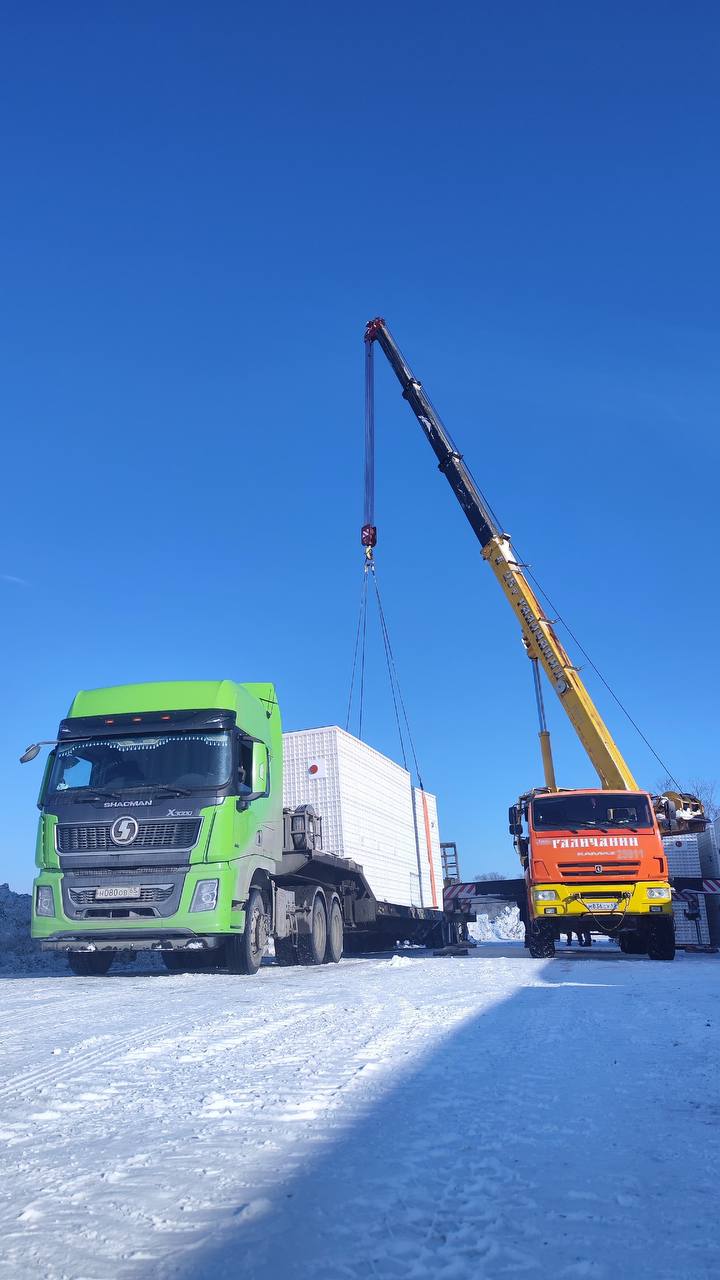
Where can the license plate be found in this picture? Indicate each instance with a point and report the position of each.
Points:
(117, 891)
(605, 905)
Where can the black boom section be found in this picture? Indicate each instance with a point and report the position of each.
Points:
(450, 461)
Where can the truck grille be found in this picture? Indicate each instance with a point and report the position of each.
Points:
(94, 837)
(148, 893)
(588, 870)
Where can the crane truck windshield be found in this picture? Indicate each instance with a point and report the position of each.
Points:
(182, 761)
(604, 810)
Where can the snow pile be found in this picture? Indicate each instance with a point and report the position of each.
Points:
(18, 951)
(505, 927)
(397, 962)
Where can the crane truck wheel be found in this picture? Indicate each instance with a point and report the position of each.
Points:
(661, 940)
(335, 932)
(541, 943)
(90, 964)
(244, 951)
(633, 944)
(312, 945)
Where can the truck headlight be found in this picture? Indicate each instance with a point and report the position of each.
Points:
(44, 900)
(544, 895)
(205, 896)
(660, 892)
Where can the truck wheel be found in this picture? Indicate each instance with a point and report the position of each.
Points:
(90, 964)
(541, 943)
(285, 953)
(334, 948)
(661, 940)
(244, 951)
(312, 945)
(633, 944)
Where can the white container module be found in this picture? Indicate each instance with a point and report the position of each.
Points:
(683, 855)
(366, 802)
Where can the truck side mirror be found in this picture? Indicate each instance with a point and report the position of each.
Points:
(259, 775)
(514, 820)
(31, 753)
(260, 770)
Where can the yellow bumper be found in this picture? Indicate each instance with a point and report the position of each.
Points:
(612, 900)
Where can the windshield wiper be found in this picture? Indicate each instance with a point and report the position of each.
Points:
(88, 797)
(160, 788)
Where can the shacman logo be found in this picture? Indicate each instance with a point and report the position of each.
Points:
(124, 830)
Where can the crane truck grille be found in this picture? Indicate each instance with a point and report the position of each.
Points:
(577, 871)
(153, 834)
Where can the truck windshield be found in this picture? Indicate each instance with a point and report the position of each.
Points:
(605, 809)
(188, 761)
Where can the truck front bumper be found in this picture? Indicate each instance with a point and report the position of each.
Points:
(117, 924)
(125, 940)
(613, 905)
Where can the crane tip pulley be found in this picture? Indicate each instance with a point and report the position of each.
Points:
(372, 328)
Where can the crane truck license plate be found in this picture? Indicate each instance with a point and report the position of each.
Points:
(606, 904)
(110, 892)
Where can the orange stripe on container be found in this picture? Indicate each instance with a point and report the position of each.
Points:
(428, 841)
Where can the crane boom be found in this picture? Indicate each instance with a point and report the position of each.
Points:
(539, 637)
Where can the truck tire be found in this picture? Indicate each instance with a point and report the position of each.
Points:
(244, 951)
(90, 964)
(541, 943)
(285, 953)
(633, 944)
(661, 940)
(335, 932)
(312, 945)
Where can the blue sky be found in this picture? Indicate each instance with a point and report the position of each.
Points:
(202, 205)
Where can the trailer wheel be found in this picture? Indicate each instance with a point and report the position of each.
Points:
(541, 943)
(90, 964)
(244, 951)
(312, 945)
(335, 932)
(285, 953)
(661, 940)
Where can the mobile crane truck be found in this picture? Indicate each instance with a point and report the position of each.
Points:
(162, 828)
(592, 859)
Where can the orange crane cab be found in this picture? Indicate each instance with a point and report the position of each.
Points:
(594, 860)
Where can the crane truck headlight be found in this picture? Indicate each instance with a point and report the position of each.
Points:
(544, 895)
(660, 892)
(44, 900)
(205, 896)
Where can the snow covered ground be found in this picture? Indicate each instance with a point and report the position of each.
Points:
(406, 1118)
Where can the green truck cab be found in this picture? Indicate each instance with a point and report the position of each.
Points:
(161, 823)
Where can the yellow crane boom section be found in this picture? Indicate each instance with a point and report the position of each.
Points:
(543, 644)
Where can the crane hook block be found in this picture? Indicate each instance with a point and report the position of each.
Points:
(368, 535)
